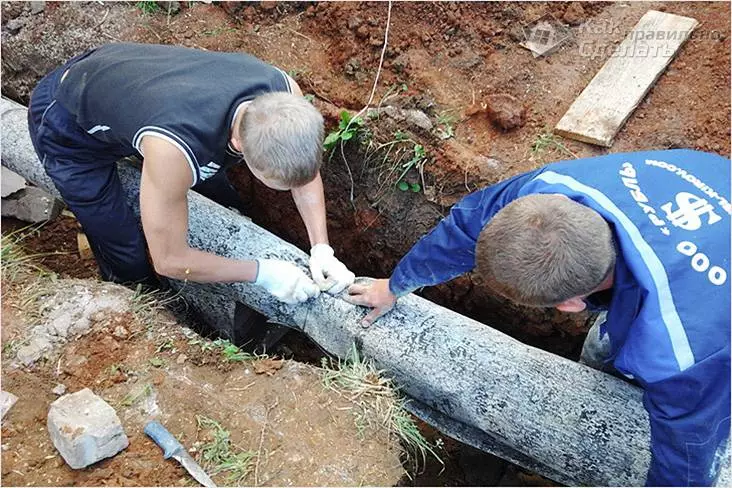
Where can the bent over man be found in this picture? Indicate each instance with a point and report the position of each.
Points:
(190, 114)
(644, 236)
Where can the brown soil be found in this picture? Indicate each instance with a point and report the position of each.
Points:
(303, 433)
(55, 244)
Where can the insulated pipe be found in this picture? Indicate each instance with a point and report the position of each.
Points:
(553, 416)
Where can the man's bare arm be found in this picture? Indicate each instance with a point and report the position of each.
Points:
(310, 202)
(166, 178)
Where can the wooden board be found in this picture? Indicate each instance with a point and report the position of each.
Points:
(616, 90)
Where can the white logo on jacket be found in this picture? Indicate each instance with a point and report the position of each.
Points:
(691, 209)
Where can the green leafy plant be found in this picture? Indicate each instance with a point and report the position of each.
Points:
(419, 157)
(348, 127)
(148, 7)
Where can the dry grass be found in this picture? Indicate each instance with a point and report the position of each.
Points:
(377, 401)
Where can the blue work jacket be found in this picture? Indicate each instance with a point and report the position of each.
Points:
(669, 316)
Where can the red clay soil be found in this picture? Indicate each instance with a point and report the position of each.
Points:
(445, 59)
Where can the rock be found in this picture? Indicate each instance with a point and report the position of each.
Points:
(362, 32)
(352, 67)
(11, 181)
(85, 429)
(414, 118)
(14, 26)
(505, 111)
(575, 14)
(181, 359)
(59, 389)
(31, 205)
(376, 41)
(516, 33)
(120, 332)
(37, 6)
(354, 23)
(7, 400)
(419, 119)
(38, 345)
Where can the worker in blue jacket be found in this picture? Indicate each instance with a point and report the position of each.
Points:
(644, 236)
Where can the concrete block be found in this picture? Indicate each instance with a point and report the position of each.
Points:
(85, 429)
(31, 205)
(7, 400)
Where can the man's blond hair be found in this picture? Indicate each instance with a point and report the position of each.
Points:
(282, 137)
(541, 250)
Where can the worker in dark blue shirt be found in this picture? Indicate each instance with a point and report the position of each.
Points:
(645, 236)
(190, 114)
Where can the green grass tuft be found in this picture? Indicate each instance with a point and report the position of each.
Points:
(220, 455)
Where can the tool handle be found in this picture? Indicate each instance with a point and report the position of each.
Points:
(163, 438)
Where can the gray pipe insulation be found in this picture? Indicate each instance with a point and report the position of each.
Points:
(553, 416)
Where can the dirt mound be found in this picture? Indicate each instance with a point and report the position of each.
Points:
(121, 345)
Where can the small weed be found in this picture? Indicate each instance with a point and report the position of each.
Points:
(378, 401)
(295, 72)
(157, 362)
(165, 346)
(348, 127)
(148, 7)
(232, 353)
(309, 97)
(229, 351)
(132, 398)
(10, 348)
(446, 125)
(219, 455)
(418, 159)
(548, 140)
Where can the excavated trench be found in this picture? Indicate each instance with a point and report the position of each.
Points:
(371, 237)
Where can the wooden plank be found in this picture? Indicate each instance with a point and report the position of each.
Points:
(616, 90)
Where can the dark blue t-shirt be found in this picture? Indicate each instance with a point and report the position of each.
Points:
(120, 93)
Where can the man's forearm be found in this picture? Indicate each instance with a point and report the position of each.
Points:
(204, 267)
(310, 202)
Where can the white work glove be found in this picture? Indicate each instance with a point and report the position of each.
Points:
(285, 281)
(328, 273)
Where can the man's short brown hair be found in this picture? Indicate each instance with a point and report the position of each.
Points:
(282, 137)
(541, 250)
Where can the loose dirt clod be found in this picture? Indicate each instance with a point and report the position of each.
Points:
(505, 111)
(575, 14)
